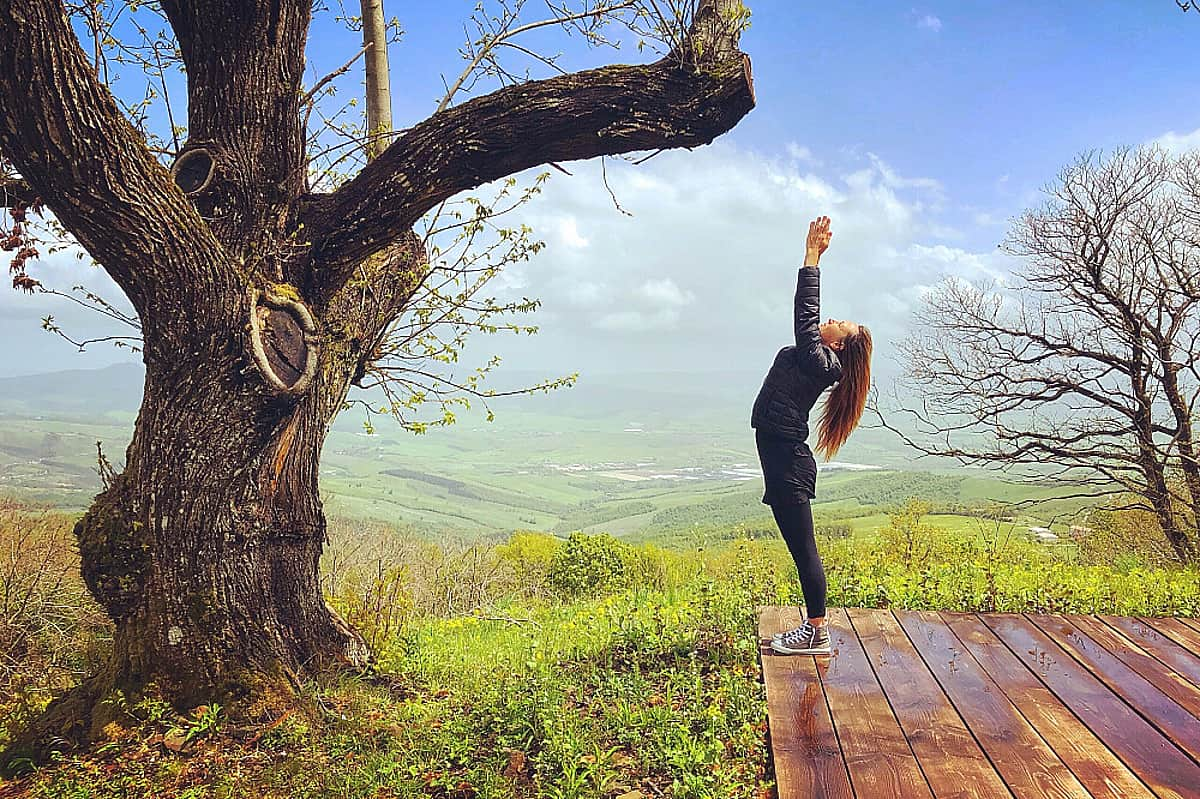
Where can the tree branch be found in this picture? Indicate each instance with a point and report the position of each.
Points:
(245, 69)
(607, 111)
(15, 191)
(506, 34)
(65, 135)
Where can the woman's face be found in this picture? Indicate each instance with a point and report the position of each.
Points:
(835, 332)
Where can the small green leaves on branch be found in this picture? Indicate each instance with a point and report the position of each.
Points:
(415, 366)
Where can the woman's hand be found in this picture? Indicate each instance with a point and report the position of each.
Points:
(819, 235)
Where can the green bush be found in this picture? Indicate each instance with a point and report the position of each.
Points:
(527, 556)
(589, 565)
(1130, 538)
(659, 569)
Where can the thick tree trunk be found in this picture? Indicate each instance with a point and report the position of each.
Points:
(1157, 490)
(1184, 436)
(205, 549)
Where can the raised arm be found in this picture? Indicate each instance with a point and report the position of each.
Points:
(813, 355)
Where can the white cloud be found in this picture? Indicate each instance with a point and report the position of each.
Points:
(930, 23)
(799, 152)
(1179, 143)
(956, 262)
(585, 293)
(894, 180)
(664, 292)
(568, 233)
(639, 321)
(702, 275)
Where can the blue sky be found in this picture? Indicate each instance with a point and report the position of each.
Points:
(989, 99)
(921, 129)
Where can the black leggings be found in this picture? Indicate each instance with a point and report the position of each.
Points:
(796, 523)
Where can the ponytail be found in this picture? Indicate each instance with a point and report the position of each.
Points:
(844, 407)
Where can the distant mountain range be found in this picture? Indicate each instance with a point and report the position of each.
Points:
(701, 403)
(118, 388)
(74, 392)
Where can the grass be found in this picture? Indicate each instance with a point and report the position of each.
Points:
(638, 694)
(591, 668)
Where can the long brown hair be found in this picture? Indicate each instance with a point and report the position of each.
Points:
(844, 406)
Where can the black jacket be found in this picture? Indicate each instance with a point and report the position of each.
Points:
(800, 373)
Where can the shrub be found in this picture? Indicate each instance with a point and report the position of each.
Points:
(835, 530)
(587, 565)
(51, 632)
(1129, 538)
(908, 537)
(527, 557)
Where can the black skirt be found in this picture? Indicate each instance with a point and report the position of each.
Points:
(789, 470)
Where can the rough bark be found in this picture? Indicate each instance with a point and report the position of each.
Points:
(204, 550)
(1185, 438)
(63, 132)
(1157, 491)
(245, 64)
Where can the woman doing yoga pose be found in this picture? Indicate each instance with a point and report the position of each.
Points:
(836, 353)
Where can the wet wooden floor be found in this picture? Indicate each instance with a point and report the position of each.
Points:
(928, 704)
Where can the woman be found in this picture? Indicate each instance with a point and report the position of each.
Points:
(836, 353)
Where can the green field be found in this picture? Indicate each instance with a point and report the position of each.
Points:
(557, 464)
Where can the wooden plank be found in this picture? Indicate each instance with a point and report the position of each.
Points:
(878, 757)
(1194, 623)
(1100, 771)
(953, 763)
(1181, 691)
(1028, 765)
(1165, 713)
(1183, 635)
(808, 759)
(769, 622)
(1151, 756)
(1167, 651)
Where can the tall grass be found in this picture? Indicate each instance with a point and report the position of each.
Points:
(532, 665)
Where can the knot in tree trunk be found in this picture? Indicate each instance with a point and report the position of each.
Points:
(114, 550)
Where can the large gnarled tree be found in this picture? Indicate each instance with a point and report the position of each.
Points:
(249, 290)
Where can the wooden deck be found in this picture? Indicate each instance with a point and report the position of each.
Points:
(927, 704)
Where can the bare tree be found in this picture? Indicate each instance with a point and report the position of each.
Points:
(1085, 364)
(260, 300)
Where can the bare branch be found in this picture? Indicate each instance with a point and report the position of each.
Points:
(1081, 364)
(506, 34)
(307, 100)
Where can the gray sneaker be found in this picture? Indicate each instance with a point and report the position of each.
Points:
(777, 636)
(804, 640)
